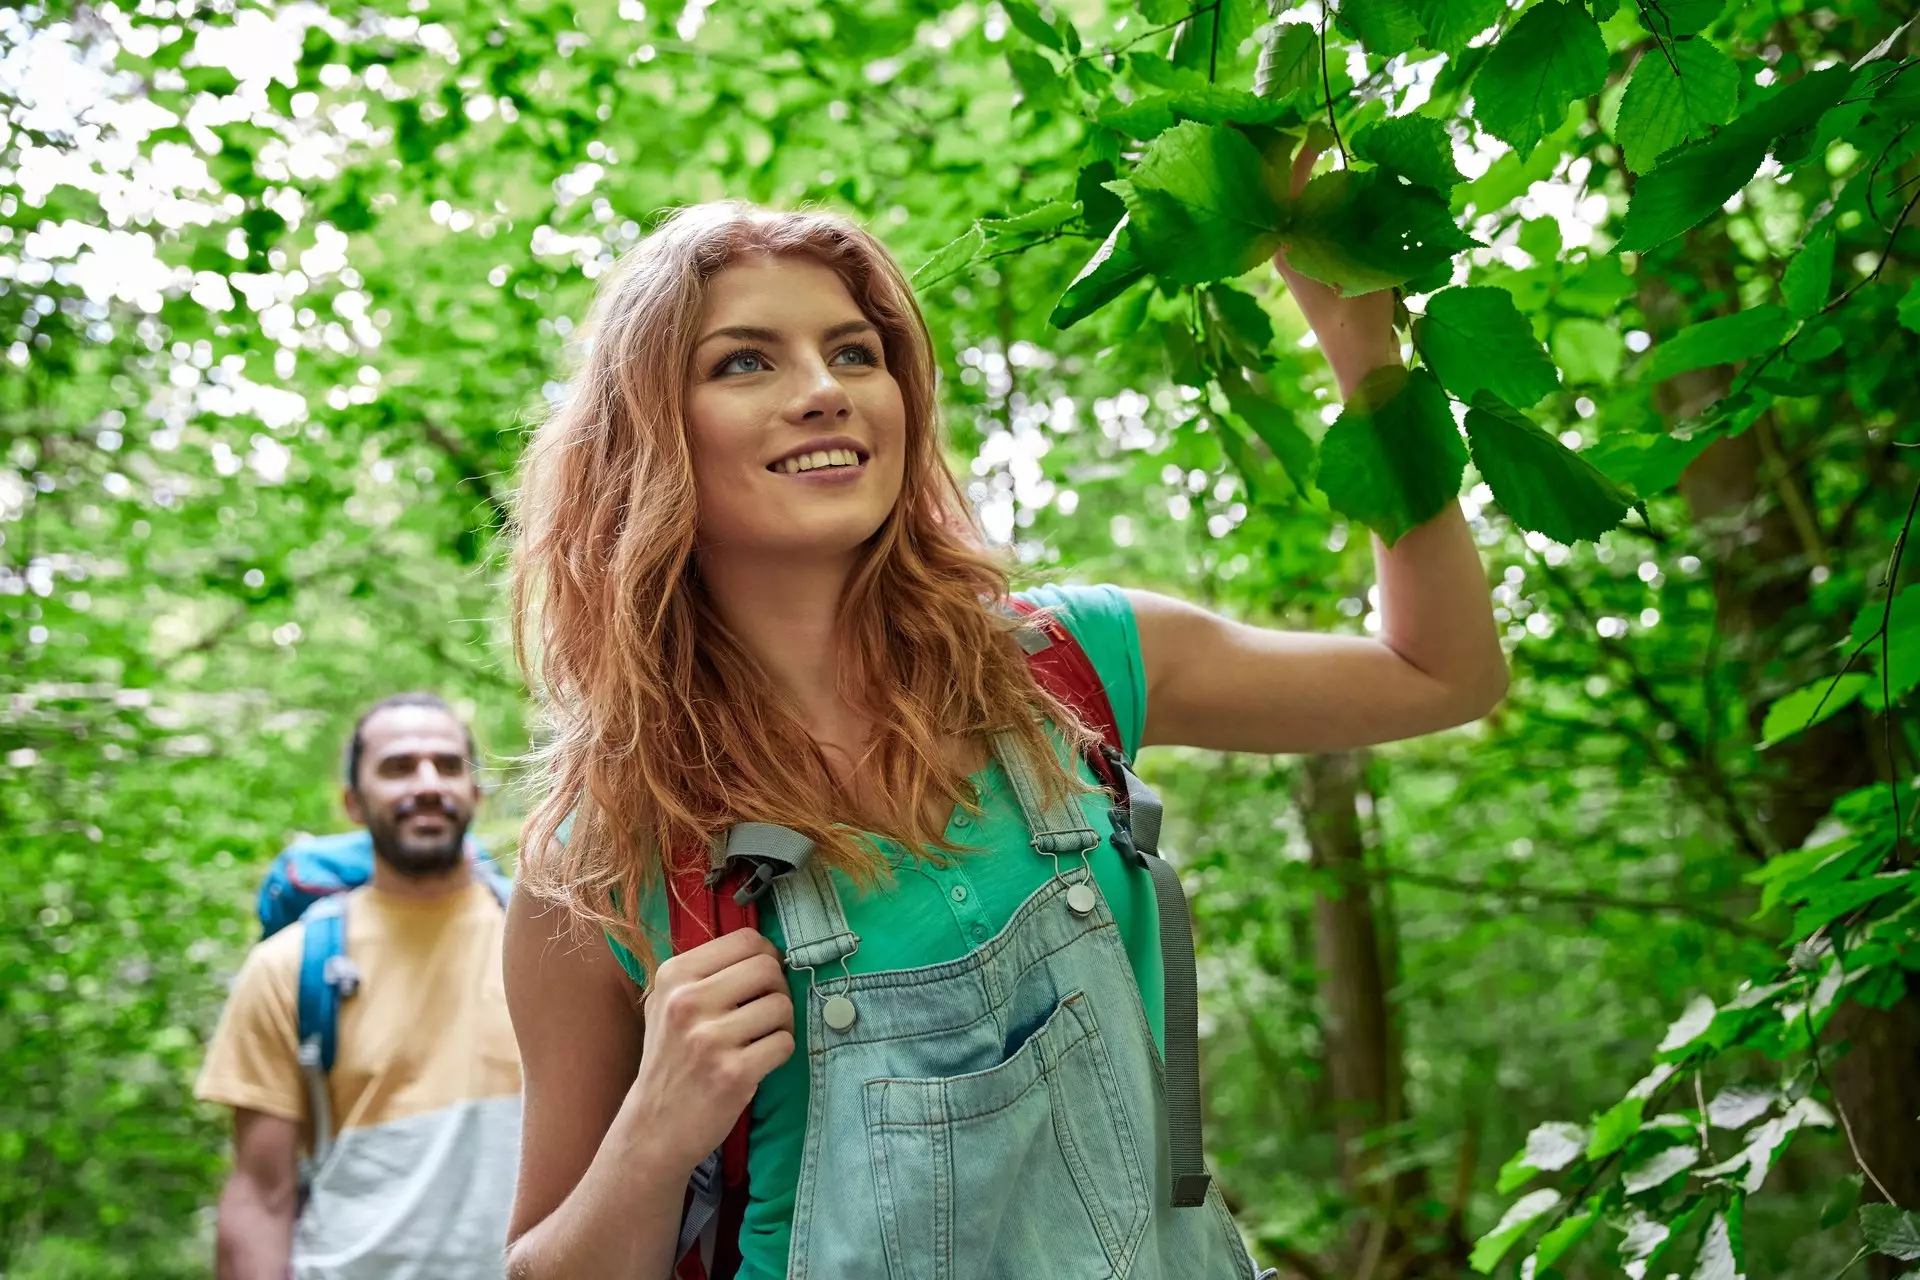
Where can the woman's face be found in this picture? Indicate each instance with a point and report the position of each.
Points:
(797, 427)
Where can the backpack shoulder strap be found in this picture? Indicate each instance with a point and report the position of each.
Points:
(1061, 666)
(327, 976)
(702, 906)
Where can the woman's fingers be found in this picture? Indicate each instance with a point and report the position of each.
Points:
(1303, 165)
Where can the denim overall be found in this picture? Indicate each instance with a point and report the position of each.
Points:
(997, 1117)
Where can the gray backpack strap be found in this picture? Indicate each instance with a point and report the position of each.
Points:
(1137, 834)
(703, 1206)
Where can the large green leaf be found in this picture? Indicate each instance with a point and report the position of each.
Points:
(1691, 184)
(1810, 704)
(1384, 27)
(1276, 427)
(1202, 205)
(1476, 340)
(1716, 1259)
(1290, 63)
(1106, 276)
(1450, 24)
(1551, 56)
(1647, 464)
(1418, 148)
(1555, 1243)
(1522, 1214)
(1891, 1230)
(1676, 95)
(1393, 459)
(1909, 311)
(951, 260)
(1362, 231)
(1808, 277)
(1723, 340)
(1588, 350)
(1543, 485)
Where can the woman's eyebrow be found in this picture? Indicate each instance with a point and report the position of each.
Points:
(750, 333)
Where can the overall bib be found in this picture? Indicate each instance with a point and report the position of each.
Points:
(997, 1117)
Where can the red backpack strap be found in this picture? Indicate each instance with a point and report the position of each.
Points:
(700, 908)
(1063, 669)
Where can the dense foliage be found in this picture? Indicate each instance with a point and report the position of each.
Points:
(282, 285)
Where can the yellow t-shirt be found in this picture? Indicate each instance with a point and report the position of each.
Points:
(425, 1087)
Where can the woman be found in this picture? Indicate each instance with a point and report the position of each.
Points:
(750, 592)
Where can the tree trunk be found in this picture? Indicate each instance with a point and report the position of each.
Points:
(1763, 563)
(1364, 1070)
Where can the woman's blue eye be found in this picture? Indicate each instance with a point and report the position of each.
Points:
(862, 353)
(744, 362)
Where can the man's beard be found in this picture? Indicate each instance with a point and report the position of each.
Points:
(415, 859)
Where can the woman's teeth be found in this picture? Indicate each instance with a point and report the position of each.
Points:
(817, 459)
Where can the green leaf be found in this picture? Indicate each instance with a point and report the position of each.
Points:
(1046, 217)
(1106, 276)
(1384, 27)
(1614, 1127)
(1361, 231)
(1841, 1203)
(1891, 1230)
(1808, 279)
(1659, 1169)
(1588, 350)
(1716, 1259)
(1522, 1214)
(1278, 428)
(1669, 19)
(1418, 148)
(1909, 311)
(1543, 485)
(1393, 459)
(1039, 80)
(1450, 24)
(1550, 1147)
(1025, 16)
(1664, 107)
(1209, 36)
(1829, 904)
(1809, 705)
(1647, 464)
(956, 257)
(1555, 1243)
(1689, 185)
(1902, 642)
(1101, 210)
(1553, 55)
(1723, 340)
(1290, 62)
(1202, 205)
(1476, 340)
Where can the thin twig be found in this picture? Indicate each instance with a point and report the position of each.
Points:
(1846, 1125)
(1572, 898)
(1326, 89)
(1886, 665)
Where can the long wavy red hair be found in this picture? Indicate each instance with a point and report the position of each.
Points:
(661, 731)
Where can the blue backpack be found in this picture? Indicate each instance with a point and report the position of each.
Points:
(309, 881)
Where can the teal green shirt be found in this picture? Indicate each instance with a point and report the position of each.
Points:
(932, 914)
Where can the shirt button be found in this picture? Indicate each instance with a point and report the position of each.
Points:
(959, 893)
(979, 932)
(962, 820)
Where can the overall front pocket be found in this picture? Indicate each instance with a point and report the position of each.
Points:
(1027, 1169)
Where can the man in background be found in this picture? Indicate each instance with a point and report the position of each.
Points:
(419, 1111)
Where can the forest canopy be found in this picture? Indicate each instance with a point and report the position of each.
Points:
(1619, 979)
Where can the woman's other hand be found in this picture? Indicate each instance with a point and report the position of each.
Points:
(718, 1019)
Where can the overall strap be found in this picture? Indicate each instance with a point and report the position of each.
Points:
(812, 918)
(1055, 824)
(327, 976)
(1061, 666)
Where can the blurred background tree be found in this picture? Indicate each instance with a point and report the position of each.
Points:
(282, 287)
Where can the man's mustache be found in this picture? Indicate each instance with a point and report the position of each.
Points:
(414, 805)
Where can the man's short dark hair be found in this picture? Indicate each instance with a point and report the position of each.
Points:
(357, 744)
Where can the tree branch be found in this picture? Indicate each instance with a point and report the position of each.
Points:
(1576, 898)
